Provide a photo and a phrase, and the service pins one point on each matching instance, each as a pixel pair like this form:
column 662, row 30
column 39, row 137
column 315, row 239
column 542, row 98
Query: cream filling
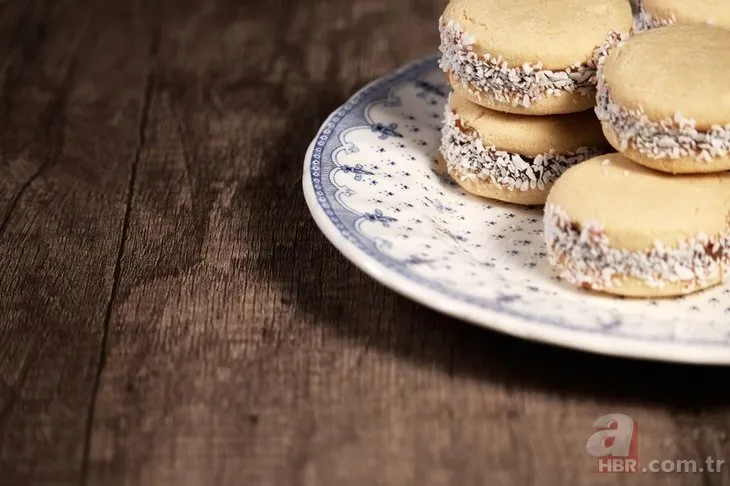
column 519, row 86
column 585, row 257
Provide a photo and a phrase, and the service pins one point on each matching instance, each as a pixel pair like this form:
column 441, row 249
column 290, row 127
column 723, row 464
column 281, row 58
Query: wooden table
column 172, row 316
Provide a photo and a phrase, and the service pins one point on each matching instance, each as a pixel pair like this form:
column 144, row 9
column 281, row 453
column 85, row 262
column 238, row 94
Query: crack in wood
column 103, row 346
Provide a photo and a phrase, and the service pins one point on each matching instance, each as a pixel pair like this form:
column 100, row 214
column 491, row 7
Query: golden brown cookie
column 664, row 98
column 660, row 13
column 529, row 58
column 615, row 226
column 514, row 158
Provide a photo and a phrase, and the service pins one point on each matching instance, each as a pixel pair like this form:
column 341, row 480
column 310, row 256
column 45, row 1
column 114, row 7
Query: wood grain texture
column 72, row 100
column 172, row 316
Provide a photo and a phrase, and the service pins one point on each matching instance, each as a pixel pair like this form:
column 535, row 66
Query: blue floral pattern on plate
column 376, row 187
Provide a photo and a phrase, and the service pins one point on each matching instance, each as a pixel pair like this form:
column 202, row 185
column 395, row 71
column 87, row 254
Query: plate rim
column 492, row 319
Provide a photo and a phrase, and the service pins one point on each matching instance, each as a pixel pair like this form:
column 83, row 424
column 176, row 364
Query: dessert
column 660, row 13
column 664, row 99
column 527, row 57
column 615, row 226
column 514, row 158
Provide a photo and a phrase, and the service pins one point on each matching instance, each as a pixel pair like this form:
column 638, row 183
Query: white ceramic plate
column 374, row 187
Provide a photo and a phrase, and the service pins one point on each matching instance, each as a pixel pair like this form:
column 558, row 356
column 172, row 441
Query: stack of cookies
column 654, row 219
column 523, row 75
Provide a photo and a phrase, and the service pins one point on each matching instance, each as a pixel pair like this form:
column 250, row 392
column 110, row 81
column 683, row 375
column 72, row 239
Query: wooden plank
column 22, row 29
column 207, row 292
column 244, row 350
column 72, row 98
column 239, row 347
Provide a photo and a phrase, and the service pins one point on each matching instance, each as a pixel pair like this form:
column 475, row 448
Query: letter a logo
column 615, row 443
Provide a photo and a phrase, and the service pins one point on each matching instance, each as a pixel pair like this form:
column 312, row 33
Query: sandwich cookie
column 527, row 57
column 615, row 226
column 664, row 99
column 514, row 158
column 660, row 13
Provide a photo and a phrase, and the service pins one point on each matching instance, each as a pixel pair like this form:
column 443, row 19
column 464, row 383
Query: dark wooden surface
column 170, row 315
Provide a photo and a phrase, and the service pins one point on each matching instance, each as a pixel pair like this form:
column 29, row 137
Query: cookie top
column 677, row 69
column 558, row 34
column 530, row 135
column 638, row 207
column 715, row 12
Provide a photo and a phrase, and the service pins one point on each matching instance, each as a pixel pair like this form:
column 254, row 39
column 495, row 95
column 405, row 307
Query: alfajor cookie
column 664, row 99
column 660, row 13
column 615, row 226
column 529, row 57
column 514, row 158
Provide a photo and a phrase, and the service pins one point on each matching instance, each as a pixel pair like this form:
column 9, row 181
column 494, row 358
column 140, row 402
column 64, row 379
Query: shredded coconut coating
column 647, row 21
column 671, row 138
column 585, row 257
column 464, row 151
column 519, row 86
